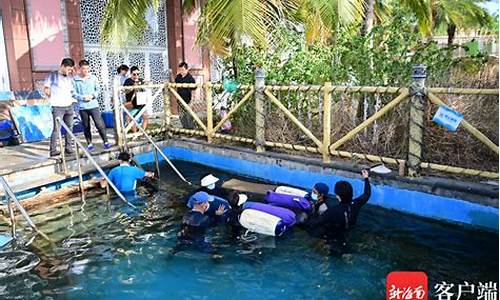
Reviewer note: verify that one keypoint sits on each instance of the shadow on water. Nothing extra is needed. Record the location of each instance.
(106, 250)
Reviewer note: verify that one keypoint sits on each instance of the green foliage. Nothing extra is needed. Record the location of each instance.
(397, 47)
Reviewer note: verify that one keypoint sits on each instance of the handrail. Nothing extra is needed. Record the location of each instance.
(99, 169)
(154, 144)
(11, 196)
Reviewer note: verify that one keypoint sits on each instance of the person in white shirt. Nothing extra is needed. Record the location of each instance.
(58, 87)
(119, 79)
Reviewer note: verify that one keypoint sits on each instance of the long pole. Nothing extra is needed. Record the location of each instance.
(25, 215)
(80, 175)
(155, 146)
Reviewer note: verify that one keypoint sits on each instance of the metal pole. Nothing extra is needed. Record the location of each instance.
(103, 174)
(61, 146)
(25, 215)
(80, 176)
(260, 113)
(417, 119)
(157, 164)
(157, 148)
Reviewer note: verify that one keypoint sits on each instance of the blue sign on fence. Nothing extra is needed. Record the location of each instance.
(448, 118)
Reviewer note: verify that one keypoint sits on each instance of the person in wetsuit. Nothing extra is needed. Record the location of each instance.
(210, 184)
(233, 221)
(195, 224)
(335, 222)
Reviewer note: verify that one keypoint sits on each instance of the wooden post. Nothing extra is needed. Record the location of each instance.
(166, 106)
(210, 119)
(117, 116)
(327, 120)
(417, 120)
(260, 113)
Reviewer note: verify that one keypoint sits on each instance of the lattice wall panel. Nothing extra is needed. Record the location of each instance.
(150, 54)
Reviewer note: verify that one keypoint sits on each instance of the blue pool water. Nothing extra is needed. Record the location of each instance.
(108, 251)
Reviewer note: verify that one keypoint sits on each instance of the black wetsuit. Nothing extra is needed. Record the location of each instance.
(194, 226)
(217, 191)
(358, 202)
(334, 223)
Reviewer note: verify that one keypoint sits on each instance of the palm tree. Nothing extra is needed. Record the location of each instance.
(322, 18)
(124, 21)
(459, 14)
(223, 23)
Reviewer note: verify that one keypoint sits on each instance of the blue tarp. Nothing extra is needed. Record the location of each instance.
(34, 123)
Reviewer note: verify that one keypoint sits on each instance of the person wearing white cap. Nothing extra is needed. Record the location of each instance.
(210, 184)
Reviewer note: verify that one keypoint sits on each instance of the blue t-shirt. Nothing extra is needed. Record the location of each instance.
(125, 177)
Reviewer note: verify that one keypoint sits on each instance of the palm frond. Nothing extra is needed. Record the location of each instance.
(349, 11)
(423, 12)
(321, 18)
(461, 13)
(224, 22)
(124, 21)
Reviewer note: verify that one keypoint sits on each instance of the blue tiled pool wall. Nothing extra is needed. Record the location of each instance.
(407, 201)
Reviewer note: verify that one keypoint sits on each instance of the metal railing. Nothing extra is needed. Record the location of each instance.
(78, 146)
(157, 149)
(11, 197)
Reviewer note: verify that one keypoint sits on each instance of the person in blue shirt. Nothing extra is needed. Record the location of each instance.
(125, 177)
(86, 91)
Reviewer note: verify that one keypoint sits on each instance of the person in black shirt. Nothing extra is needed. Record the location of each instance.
(336, 221)
(184, 76)
(131, 97)
(195, 224)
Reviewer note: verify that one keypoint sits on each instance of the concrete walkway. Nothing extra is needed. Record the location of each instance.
(21, 157)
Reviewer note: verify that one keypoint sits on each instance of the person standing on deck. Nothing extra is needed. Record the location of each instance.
(183, 76)
(121, 75)
(58, 86)
(125, 177)
(87, 90)
(131, 98)
(119, 79)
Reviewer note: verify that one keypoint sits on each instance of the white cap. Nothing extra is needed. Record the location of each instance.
(208, 180)
(242, 198)
(380, 168)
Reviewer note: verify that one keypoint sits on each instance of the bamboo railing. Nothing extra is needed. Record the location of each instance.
(324, 146)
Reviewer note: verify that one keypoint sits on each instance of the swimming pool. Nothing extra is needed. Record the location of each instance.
(109, 251)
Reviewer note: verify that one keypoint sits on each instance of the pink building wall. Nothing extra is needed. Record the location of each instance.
(46, 34)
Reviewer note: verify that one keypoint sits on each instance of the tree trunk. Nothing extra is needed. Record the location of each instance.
(235, 68)
(369, 17)
(451, 30)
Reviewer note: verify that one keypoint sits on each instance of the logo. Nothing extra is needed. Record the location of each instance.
(406, 286)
